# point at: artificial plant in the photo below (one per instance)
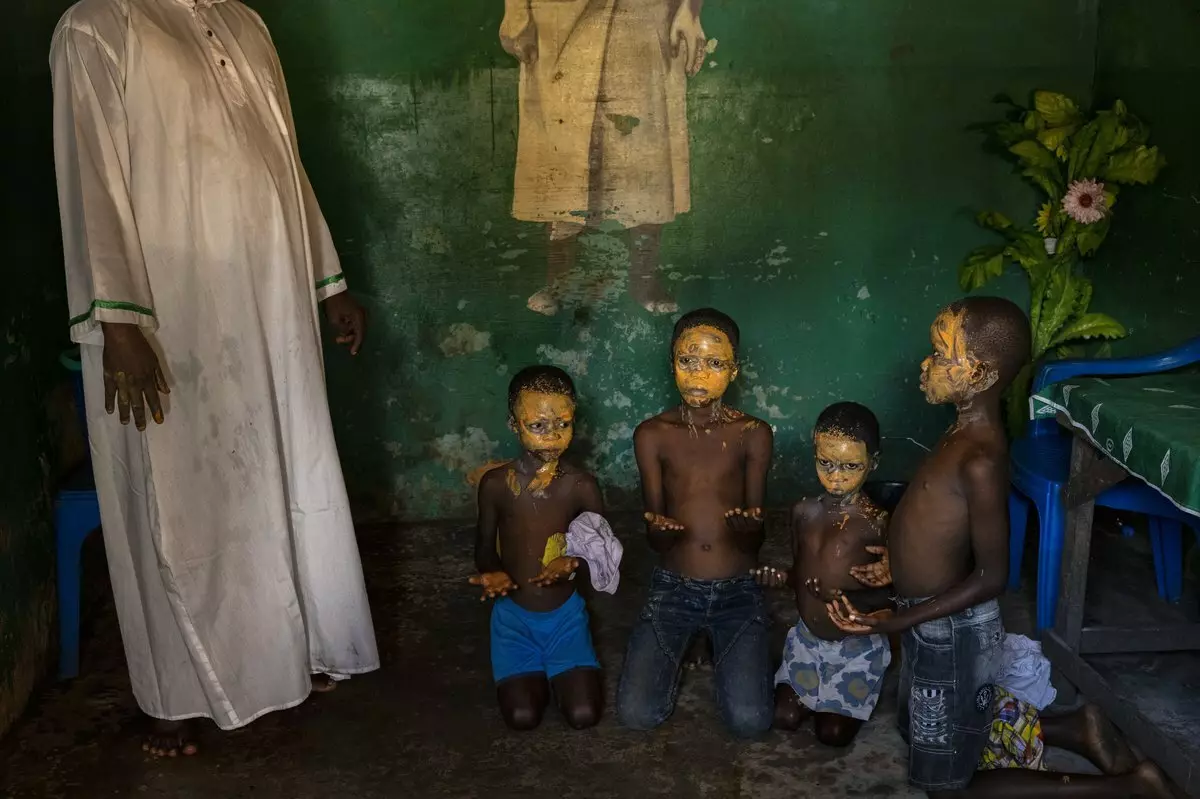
(1079, 161)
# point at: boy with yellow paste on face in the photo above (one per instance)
(539, 628)
(703, 468)
(948, 558)
(836, 538)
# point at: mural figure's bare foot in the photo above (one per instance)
(543, 302)
(649, 293)
(171, 739)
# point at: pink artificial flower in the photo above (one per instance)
(1084, 202)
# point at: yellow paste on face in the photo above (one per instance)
(952, 373)
(843, 463)
(704, 365)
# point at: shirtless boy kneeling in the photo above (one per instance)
(836, 537)
(948, 549)
(540, 635)
(703, 468)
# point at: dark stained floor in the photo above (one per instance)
(426, 725)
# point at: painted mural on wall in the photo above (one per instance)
(603, 133)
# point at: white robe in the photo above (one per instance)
(185, 210)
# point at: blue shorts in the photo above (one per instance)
(525, 642)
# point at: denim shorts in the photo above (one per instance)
(945, 702)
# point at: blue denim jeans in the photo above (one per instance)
(733, 614)
(945, 703)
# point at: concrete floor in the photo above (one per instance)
(427, 726)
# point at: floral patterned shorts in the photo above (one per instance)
(840, 677)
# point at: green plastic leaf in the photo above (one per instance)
(1058, 306)
(1048, 180)
(1092, 236)
(1033, 154)
(1069, 351)
(993, 220)
(1057, 109)
(1111, 191)
(1111, 135)
(1081, 145)
(982, 265)
(1085, 296)
(1016, 401)
(1009, 133)
(1055, 139)
(1092, 325)
(1135, 165)
(1066, 241)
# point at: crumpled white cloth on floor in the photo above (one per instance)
(591, 538)
(1024, 671)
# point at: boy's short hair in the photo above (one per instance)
(851, 420)
(543, 379)
(997, 332)
(709, 317)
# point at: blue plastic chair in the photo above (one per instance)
(76, 516)
(1041, 461)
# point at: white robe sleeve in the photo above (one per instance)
(327, 267)
(106, 273)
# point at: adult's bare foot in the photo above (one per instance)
(323, 684)
(1106, 748)
(1151, 782)
(171, 739)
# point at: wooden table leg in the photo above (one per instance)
(1091, 472)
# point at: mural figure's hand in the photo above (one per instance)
(688, 39)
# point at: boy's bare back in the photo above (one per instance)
(703, 472)
(526, 518)
(829, 538)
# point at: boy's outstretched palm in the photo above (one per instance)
(556, 571)
(494, 584)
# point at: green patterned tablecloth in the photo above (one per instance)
(1149, 424)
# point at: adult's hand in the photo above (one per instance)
(132, 376)
(348, 319)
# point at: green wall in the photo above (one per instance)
(31, 336)
(833, 182)
(1147, 271)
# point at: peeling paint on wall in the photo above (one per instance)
(463, 452)
(464, 339)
